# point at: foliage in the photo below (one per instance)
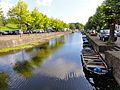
(3, 81)
(3, 20)
(9, 27)
(106, 16)
(25, 68)
(20, 15)
(37, 18)
(109, 42)
(72, 26)
(76, 26)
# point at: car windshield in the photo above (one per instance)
(106, 31)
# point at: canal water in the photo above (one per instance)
(55, 65)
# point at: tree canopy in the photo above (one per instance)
(19, 14)
(25, 19)
(76, 26)
(106, 16)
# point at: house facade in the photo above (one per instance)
(117, 27)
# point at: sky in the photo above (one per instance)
(69, 11)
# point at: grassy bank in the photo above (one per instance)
(23, 46)
(30, 44)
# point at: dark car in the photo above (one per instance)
(6, 32)
(17, 32)
(34, 31)
(105, 34)
(27, 32)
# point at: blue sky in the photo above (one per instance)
(66, 10)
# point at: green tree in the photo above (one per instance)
(20, 13)
(3, 20)
(37, 18)
(106, 16)
(46, 22)
(72, 26)
(111, 10)
(79, 26)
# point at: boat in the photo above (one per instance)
(93, 63)
(85, 41)
(73, 31)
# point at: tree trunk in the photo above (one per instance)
(112, 31)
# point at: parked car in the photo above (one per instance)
(118, 33)
(27, 32)
(5, 32)
(34, 31)
(41, 31)
(16, 32)
(105, 34)
(93, 33)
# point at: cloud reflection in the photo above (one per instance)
(60, 68)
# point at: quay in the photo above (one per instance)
(110, 53)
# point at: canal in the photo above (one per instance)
(55, 65)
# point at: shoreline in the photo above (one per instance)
(35, 40)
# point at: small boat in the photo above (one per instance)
(85, 41)
(92, 62)
(73, 31)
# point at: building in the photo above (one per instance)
(117, 27)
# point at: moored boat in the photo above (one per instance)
(92, 62)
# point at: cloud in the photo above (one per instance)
(44, 2)
(5, 5)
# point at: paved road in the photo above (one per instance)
(118, 41)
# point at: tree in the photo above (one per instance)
(72, 26)
(111, 10)
(20, 13)
(3, 20)
(79, 26)
(46, 22)
(37, 19)
(90, 24)
(106, 16)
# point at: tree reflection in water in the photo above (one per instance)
(25, 68)
(3, 81)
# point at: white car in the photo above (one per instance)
(105, 34)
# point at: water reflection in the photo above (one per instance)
(3, 80)
(60, 68)
(55, 65)
(25, 67)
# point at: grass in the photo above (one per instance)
(110, 42)
(22, 46)
(27, 45)
(3, 81)
(9, 27)
(4, 50)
